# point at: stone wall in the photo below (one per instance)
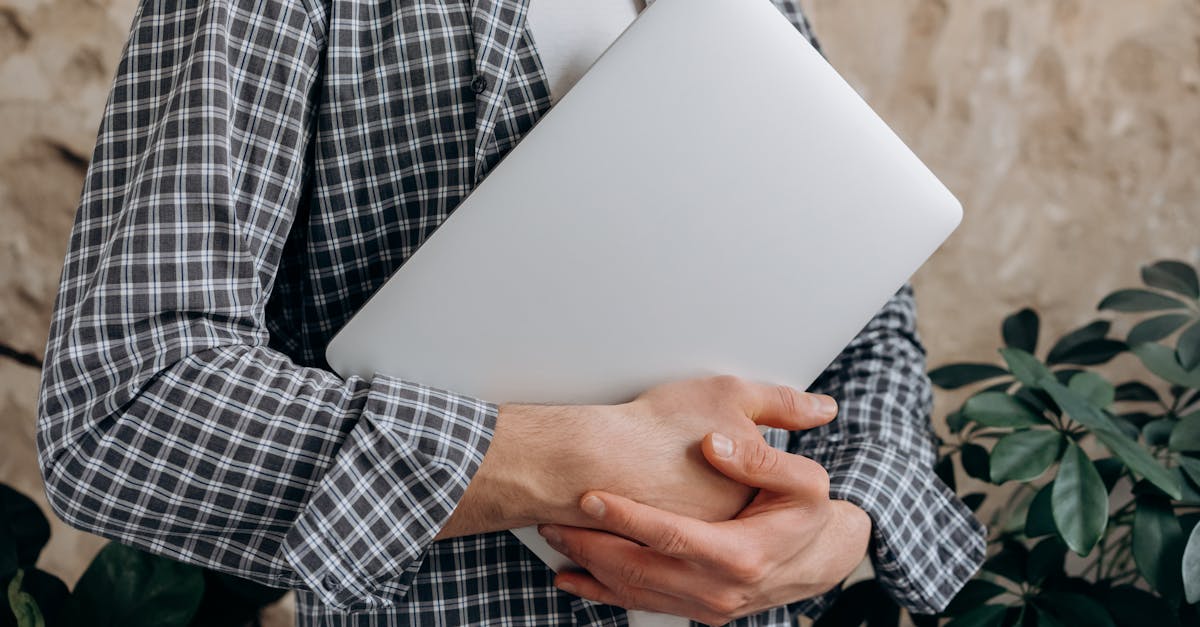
(1068, 128)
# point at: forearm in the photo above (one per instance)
(532, 473)
(236, 459)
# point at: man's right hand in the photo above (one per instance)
(543, 458)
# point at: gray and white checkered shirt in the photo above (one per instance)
(262, 167)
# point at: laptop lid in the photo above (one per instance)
(711, 197)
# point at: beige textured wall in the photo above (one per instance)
(1069, 129)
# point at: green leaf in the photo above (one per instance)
(1139, 418)
(955, 421)
(1191, 567)
(1091, 331)
(974, 500)
(27, 525)
(997, 409)
(1010, 520)
(1020, 330)
(1080, 504)
(1158, 545)
(1156, 328)
(1036, 399)
(1126, 428)
(1045, 619)
(130, 588)
(1135, 391)
(1063, 375)
(1161, 361)
(975, 461)
(22, 604)
(1046, 560)
(1099, 392)
(974, 593)
(1139, 460)
(1158, 432)
(982, 616)
(1075, 609)
(249, 592)
(1187, 481)
(863, 602)
(48, 591)
(1188, 348)
(1091, 352)
(8, 552)
(1024, 455)
(954, 376)
(1025, 367)
(1186, 435)
(1132, 300)
(1040, 519)
(945, 471)
(1133, 607)
(1173, 276)
(1110, 469)
(1010, 563)
(1077, 406)
(1191, 466)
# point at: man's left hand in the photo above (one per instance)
(790, 543)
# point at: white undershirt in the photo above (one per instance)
(570, 35)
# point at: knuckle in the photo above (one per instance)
(629, 597)
(672, 541)
(633, 574)
(761, 459)
(789, 400)
(725, 605)
(622, 519)
(727, 384)
(748, 568)
(820, 479)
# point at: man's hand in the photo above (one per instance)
(543, 458)
(791, 543)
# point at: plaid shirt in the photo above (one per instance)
(261, 168)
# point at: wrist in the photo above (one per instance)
(548, 460)
(533, 472)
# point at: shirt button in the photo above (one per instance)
(332, 584)
(479, 84)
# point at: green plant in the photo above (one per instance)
(122, 587)
(1101, 527)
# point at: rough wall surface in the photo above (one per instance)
(1069, 129)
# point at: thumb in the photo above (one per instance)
(757, 464)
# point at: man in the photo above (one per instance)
(262, 167)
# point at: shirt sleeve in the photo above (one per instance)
(880, 453)
(165, 420)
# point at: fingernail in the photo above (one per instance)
(722, 445)
(566, 586)
(824, 406)
(593, 506)
(550, 534)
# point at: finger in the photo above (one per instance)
(584, 585)
(620, 563)
(668, 533)
(757, 464)
(788, 408)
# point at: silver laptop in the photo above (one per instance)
(711, 197)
